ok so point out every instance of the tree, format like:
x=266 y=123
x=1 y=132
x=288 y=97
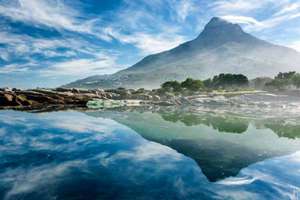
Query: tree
x=285 y=75
x=192 y=84
x=229 y=80
x=171 y=85
x=284 y=79
x=296 y=80
x=277 y=84
x=207 y=83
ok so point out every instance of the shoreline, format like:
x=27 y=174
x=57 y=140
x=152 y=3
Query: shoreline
x=63 y=98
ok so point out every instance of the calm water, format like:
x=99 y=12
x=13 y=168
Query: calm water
x=139 y=154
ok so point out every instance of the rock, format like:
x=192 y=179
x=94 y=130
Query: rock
x=15 y=90
x=125 y=94
x=45 y=98
x=164 y=103
x=115 y=96
x=7 y=99
x=170 y=96
x=63 y=90
x=156 y=98
x=144 y=97
x=100 y=90
x=185 y=100
x=75 y=90
x=109 y=95
x=23 y=101
x=141 y=90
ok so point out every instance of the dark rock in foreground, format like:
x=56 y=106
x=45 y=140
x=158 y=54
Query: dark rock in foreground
x=39 y=98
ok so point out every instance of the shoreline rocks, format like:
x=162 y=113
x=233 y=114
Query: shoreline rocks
x=44 y=97
x=63 y=97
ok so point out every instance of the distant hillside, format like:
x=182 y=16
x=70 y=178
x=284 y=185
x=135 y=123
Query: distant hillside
x=222 y=47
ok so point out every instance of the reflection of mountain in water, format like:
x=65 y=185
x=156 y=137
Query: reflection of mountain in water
x=198 y=136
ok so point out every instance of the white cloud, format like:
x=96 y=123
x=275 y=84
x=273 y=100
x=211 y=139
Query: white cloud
x=52 y=14
x=241 y=11
x=275 y=21
x=102 y=64
x=42 y=12
x=288 y=9
x=149 y=31
x=234 y=7
x=148 y=43
x=13 y=68
x=230 y=6
x=242 y=20
x=185 y=8
x=25 y=46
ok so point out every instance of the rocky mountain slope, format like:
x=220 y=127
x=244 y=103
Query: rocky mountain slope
x=222 y=47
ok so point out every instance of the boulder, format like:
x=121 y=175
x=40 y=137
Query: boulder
x=156 y=98
x=75 y=90
x=8 y=99
x=109 y=95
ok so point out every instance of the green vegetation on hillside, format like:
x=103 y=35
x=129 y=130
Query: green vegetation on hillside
x=189 y=84
x=227 y=80
x=171 y=85
x=284 y=81
x=221 y=81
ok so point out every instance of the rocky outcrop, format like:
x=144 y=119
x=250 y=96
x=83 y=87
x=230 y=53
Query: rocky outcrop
x=46 y=97
x=64 y=97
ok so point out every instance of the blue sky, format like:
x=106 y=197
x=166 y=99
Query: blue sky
x=47 y=43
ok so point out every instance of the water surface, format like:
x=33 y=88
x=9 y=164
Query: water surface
x=140 y=154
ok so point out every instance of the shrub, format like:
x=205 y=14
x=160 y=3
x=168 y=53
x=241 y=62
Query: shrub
x=193 y=85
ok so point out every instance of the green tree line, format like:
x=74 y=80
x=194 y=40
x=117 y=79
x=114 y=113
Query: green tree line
x=221 y=81
x=284 y=80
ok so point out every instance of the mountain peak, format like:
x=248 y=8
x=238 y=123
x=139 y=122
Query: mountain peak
x=219 y=31
x=217 y=23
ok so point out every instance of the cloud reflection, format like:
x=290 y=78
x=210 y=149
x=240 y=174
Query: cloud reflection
x=44 y=157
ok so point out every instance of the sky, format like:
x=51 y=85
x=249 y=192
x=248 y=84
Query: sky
x=47 y=43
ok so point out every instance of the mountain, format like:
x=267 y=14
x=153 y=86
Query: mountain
x=222 y=47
